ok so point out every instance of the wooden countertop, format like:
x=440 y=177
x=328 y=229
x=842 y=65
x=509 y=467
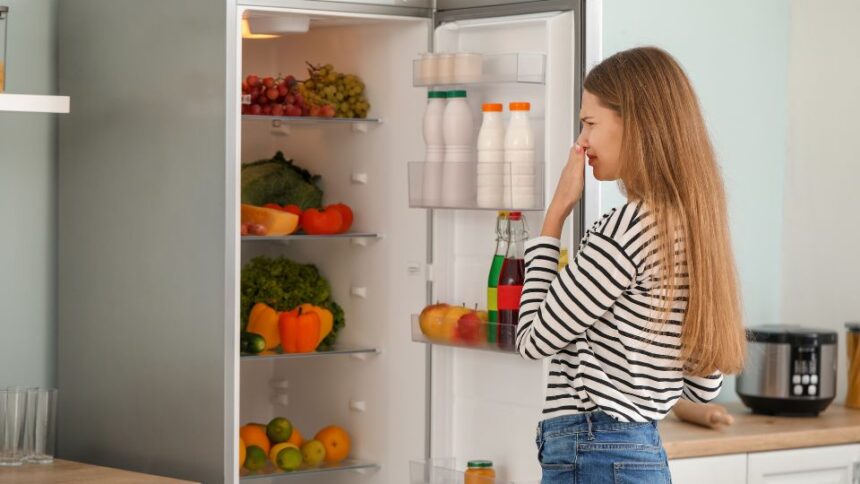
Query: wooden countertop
x=68 y=472
x=757 y=433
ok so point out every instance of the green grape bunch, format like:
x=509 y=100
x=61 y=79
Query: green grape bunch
x=343 y=92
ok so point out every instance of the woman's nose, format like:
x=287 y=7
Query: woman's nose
x=582 y=140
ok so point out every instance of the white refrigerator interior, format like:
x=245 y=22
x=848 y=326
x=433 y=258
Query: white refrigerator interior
x=475 y=404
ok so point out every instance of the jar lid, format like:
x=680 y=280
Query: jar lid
x=520 y=106
x=3 y=9
x=778 y=333
x=437 y=94
x=456 y=94
x=492 y=108
x=480 y=463
x=515 y=215
x=853 y=325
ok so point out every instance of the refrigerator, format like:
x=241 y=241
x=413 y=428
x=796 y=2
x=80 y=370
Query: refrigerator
x=150 y=255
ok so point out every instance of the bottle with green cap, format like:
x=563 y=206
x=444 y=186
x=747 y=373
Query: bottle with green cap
x=480 y=472
x=434 y=143
x=458 y=177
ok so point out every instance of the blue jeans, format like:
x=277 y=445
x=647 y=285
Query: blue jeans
x=594 y=448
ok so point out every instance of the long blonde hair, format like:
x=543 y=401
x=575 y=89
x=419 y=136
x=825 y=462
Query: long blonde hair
x=668 y=163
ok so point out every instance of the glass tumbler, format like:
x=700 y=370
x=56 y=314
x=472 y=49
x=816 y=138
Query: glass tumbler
x=12 y=405
x=42 y=425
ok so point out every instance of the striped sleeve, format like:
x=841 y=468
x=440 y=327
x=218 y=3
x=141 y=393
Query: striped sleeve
x=702 y=389
x=556 y=306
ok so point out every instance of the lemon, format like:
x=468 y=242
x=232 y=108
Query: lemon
x=313 y=452
x=273 y=454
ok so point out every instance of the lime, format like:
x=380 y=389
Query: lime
x=252 y=343
x=279 y=430
x=289 y=459
x=255 y=458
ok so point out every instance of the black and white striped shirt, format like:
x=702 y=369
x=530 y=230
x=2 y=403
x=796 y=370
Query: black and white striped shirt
x=593 y=318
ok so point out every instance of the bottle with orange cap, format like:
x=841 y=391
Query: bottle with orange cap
x=519 y=180
x=491 y=157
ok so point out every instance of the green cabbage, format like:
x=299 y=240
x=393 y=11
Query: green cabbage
x=278 y=180
x=284 y=284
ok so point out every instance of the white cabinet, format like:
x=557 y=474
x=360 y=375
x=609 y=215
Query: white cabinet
x=816 y=465
x=819 y=465
x=721 y=469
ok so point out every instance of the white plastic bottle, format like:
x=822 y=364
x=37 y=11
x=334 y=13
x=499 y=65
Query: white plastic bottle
x=520 y=169
x=491 y=157
x=434 y=142
x=458 y=171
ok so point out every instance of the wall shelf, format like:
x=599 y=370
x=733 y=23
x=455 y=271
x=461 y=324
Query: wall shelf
x=28 y=103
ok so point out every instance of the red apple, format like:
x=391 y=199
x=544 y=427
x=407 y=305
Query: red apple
x=469 y=328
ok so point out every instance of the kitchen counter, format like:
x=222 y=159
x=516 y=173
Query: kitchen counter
x=757 y=433
x=68 y=472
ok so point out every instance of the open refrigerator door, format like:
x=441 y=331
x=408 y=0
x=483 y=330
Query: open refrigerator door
x=486 y=404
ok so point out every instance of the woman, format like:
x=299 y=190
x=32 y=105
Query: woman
x=648 y=312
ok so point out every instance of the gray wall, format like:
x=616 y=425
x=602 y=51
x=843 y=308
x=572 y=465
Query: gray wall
x=143 y=368
x=28 y=202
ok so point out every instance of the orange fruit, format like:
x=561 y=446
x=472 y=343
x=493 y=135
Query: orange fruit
x=242 y=452
x=336 y=442
x=255 y=434
x=296 y=438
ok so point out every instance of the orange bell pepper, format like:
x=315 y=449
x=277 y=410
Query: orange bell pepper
x=299 y=331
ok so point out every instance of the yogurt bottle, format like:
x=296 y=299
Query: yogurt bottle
x=434 y=142
x=458 y=171
x=520 y=170
x=491 y=157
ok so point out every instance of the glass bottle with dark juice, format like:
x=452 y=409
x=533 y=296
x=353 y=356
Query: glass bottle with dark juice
x=511 y=280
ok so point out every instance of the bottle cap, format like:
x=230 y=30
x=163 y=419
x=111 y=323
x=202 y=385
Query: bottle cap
x=437 y=94
x=492 y=108
x=520 y=106
x=480 y=464
x=456 y=94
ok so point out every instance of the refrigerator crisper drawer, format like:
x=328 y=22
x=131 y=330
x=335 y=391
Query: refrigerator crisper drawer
x=444 y=471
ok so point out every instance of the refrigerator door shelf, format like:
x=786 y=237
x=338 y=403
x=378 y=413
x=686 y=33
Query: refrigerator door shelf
x=270 y=472
x=445 y=471
x=477 y=186
x=474 y=337
x=516 y=68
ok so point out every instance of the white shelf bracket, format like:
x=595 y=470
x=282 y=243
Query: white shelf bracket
x=280 y=128
x=359 y=128
x=360 y=292
x=429 y=273
x=358 y=405
x=360 y=178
